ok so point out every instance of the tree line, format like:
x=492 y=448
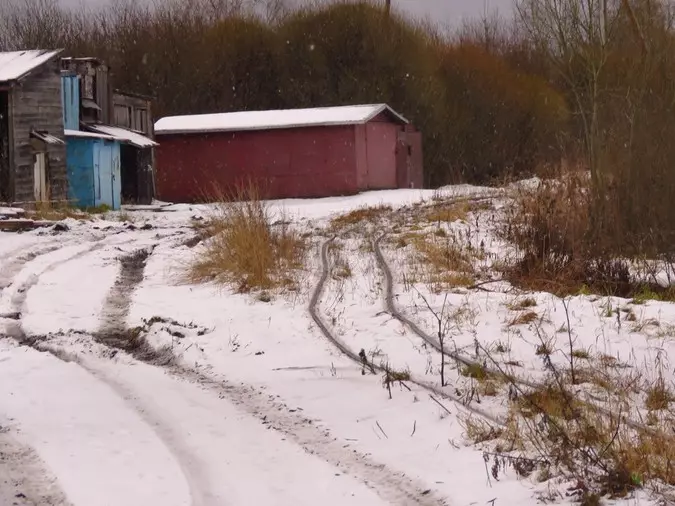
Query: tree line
x=587 y=84
x=483 y=115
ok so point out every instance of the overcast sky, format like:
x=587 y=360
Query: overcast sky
x=444 y=12
x=453 y=11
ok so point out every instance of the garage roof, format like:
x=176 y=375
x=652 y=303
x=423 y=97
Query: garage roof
x=267 y=120
x=16 y=64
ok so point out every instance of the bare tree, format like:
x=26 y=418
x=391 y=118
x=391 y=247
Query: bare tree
x=441 y=330
x=575 y=35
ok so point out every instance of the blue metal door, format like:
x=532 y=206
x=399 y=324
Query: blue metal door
x=103 y=163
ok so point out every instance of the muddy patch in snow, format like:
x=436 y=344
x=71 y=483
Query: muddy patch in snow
x=114 y=332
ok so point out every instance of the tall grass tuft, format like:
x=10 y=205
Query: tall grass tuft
x=245 y=246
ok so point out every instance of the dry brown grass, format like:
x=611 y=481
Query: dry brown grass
x=447 y=213
x=573 y=438
x=479 y=431
x=245 y=247
x=659 y=396
x=341 y=268
x=57 y=211
x=601 y=451
x=524 y=318
x=369 y=214
x=440 y=261
x=522 y=304
x=568 y=241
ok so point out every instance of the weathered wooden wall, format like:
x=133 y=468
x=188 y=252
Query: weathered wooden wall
x=96 y=85
x=4 y=147
x=134 y=112
x=35 y=103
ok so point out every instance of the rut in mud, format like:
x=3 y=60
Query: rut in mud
x=113 y=331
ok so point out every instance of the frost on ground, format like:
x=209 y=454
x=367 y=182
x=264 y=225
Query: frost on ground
x=128 y=385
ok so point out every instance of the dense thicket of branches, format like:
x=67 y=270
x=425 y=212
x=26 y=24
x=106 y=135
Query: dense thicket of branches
x=481 y=106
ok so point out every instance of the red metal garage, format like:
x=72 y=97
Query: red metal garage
x=289 y=153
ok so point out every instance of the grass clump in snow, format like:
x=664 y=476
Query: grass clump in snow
x=58 y=211
x=360 y=216
x=442 y=262
x=659 y=396
x=447 y=212
x=523 y=319
x=391 y=376
x=245 y=246
x=522 y=304
x=479 y=431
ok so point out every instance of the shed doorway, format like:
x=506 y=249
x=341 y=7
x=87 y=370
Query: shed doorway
x=107 y=174
x=5 y=180
x=40 y=179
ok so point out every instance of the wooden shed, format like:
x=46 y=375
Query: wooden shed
x=288 y=153
x=123 y=117
x=133 y=111
x=32 y=146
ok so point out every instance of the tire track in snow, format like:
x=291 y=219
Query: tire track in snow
x=394 y=487
x=14 y=328
x=24 y=479
x=496 y=369
x=318 y=292
x=16 y=262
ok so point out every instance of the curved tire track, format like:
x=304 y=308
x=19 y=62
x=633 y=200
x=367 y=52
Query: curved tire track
x=318 y=292
x=496 y=369
x=393 y=487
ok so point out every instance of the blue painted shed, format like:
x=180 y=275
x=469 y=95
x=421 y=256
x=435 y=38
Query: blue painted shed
x=92 y=159
x=93 y=162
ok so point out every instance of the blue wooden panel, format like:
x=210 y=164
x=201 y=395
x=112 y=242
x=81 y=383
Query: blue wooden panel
x=106 y=163
x=116 y=175
x=70 y=100
x=80 y=165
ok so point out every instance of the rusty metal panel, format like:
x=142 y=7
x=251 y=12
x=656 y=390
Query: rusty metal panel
x=302 y=162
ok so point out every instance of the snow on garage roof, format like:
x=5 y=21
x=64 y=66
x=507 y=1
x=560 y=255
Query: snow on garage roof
x=16 y=64
x=267 y=120
x=124 y=135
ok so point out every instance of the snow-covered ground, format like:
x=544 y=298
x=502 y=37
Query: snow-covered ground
x=253 y=404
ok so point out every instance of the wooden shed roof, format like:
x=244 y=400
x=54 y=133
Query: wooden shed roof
x=16 y=64
x=268 y=120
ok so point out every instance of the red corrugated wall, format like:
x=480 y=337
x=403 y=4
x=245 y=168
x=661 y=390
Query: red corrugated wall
x=301 y=162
